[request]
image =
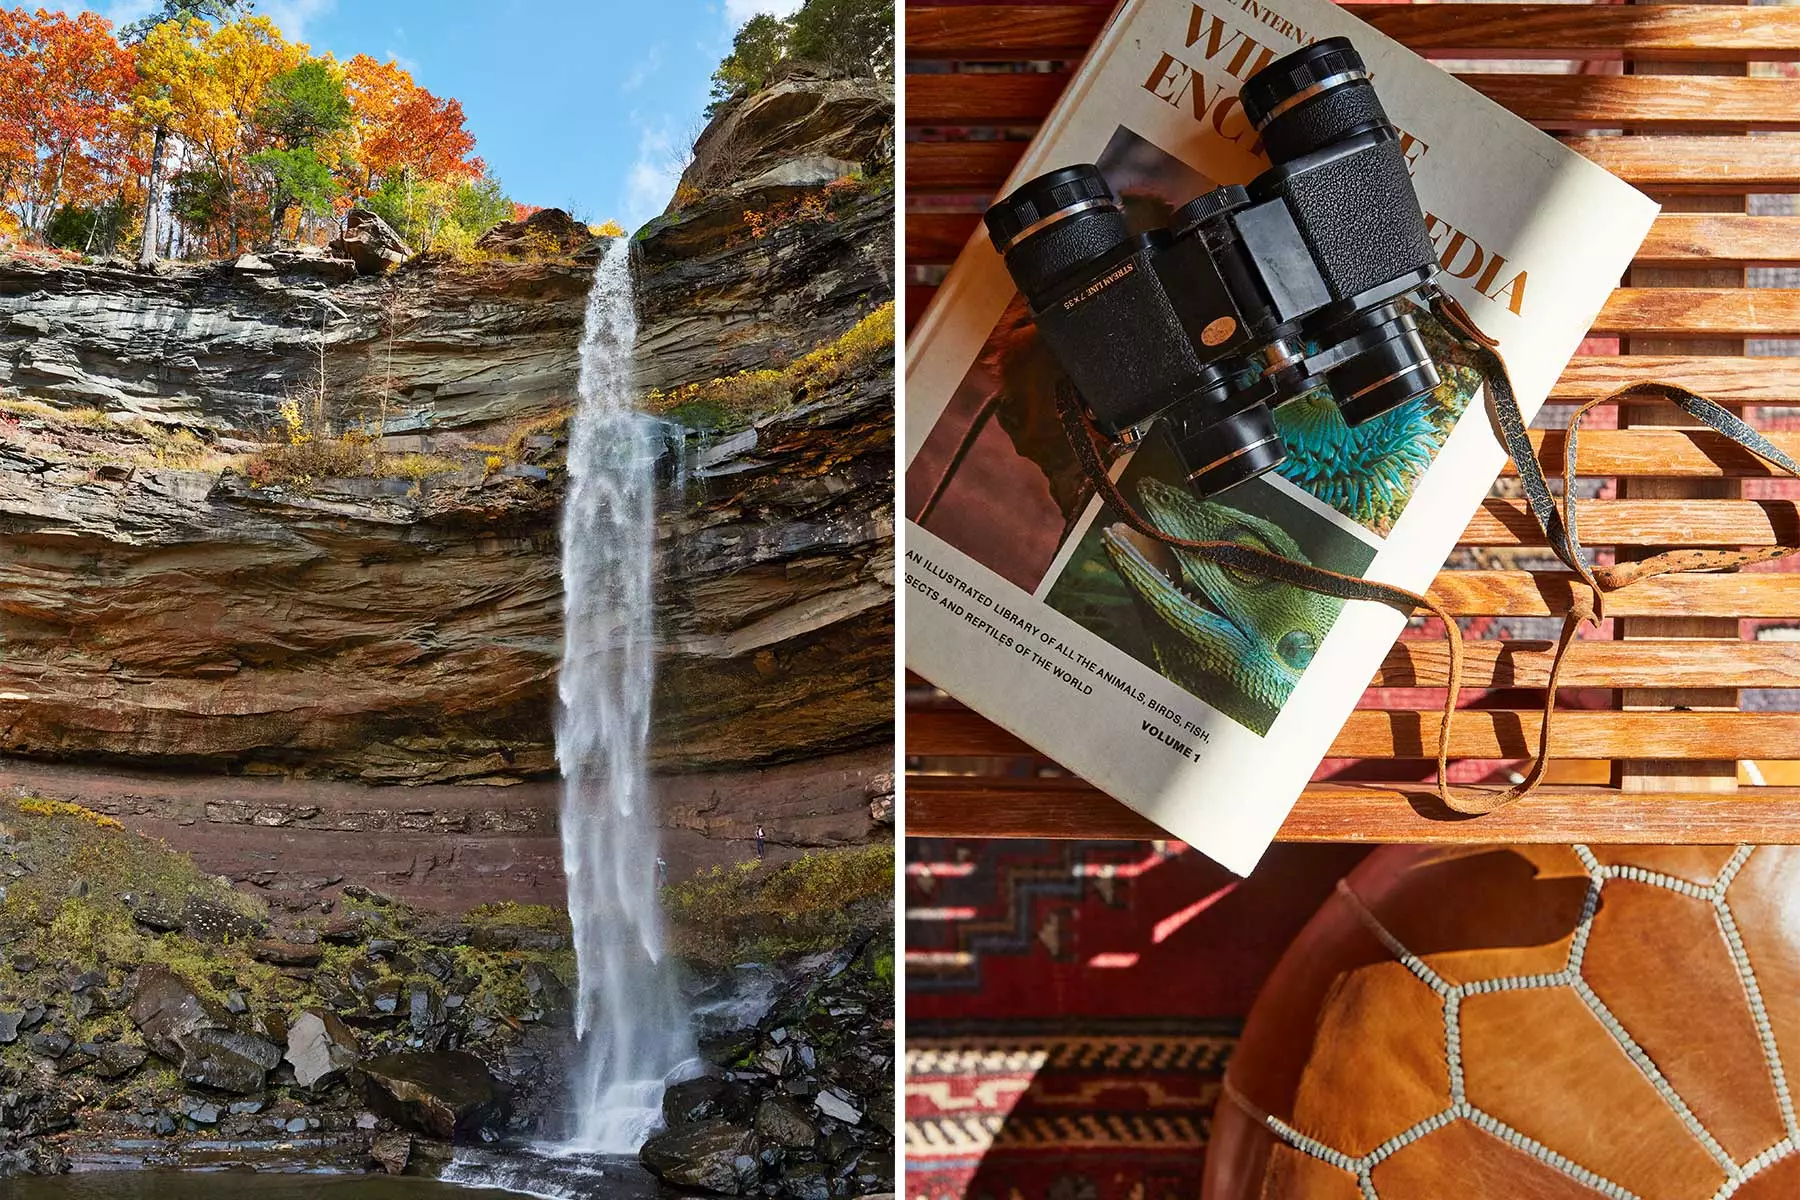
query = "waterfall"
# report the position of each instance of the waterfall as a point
(631, 1027)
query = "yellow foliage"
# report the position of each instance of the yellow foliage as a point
(734, 399)
(607, 229)
(205, 84)
(455, 242)
(415, 467)
(492, 463)
(295, 420)
(39, 807)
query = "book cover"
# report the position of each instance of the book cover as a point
(1206, 703)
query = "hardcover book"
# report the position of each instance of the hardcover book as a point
(1207, 704)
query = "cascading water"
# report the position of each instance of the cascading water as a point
(628, 1016)
(632, 1028)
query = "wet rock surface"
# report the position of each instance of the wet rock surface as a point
(800, 1100)
(448, 1094)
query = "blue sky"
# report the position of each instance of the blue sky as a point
(589, 103)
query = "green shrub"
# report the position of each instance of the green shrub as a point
(751, 910)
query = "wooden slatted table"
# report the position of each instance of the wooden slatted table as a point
(1698, 105)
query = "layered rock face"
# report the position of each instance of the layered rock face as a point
(163, 610)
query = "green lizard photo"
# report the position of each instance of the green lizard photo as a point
(1239, 642)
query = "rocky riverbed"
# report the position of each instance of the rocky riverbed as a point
(151, 1016)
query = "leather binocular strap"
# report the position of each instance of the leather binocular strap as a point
(1557, 522)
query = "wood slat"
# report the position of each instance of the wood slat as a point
(973, 807)
(989, 32)
(1664, 453)
(1769, 163)
(1765, 595)
(1696, 103)
(1730, 380)
(1683, 239)
(1701, 311)
(1669, 31)
(987, 99)
(1477, 733)
(1501, 522)
(1666, 163)
(1674, 663)
(1675, 239)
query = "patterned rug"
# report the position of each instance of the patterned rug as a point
(1071, 1007)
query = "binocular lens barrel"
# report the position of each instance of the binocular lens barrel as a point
(1056, 224)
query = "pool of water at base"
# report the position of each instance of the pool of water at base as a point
(229, 1185)
(517, 1171)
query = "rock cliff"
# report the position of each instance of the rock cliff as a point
(173, 608)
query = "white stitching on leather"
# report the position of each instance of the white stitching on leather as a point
(1713, 894)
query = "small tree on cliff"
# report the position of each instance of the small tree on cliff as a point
(852, 36)
(760, 46)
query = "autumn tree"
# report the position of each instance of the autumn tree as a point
(63, 81)
(412, 159)
(150, 101)
(207, 105)
(399, 127)
(211, 83)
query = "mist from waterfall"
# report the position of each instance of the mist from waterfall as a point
(629, 1018)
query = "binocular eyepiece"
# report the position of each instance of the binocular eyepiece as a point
(1251, 295)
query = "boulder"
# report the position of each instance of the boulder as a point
(549, 994)
(227, 1061)
(392, 1151)
(287, 954)
(782, 1122)
(838, 1105)
(320, 1047)
(370, 243)
(548, 231)
(701, 1099)
(166, 1008)
(314, 261)
(426, 1016)
(210, 919)
(155, 913)
(869, 1173)
(710, 1155)
(448, 1094)
(118, 1059)
(806, 1181)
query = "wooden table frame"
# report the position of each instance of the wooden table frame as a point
(1680, 90)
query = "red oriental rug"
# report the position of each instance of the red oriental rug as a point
(1071, 1007)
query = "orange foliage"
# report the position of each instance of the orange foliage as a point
(400, 126)
(63, 85)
